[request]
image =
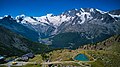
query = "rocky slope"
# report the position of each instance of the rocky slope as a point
(88, 26)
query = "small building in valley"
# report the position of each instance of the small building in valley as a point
(24, 58)
(30, 55)
(27, 56)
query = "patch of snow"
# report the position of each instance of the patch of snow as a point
(5, 15)
(17, 20)
(83, 16)
(102, 12)
(102, 18)
(69, 11)
(1, 17)
(78, 14)
(114, 15)
(41, 19)
(79, 22)
(73, 23)
(95, 19)
(82, 9)
(65, 18)
(49, 15)
(72, 18)
(91, 10)
(83, 19)
(76, 9)
(55, 20)
(29, 20)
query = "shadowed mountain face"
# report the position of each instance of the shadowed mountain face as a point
(10, 23)
(14, 44)
(70, 29)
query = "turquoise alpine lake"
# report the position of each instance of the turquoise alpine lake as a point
(81, 57)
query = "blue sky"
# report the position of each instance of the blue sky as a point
(43, 7)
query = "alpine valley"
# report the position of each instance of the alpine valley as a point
(57, 39)
(70, 29)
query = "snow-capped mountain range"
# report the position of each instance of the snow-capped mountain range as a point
(92, 23)
(48, 19)
(57, 20)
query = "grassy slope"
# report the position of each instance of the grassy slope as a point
(108, 57)
(10, 44)
(75, 39)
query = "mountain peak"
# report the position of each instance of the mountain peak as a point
(9, 16)
(49, 15)
(20, 16)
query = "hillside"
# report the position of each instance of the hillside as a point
(105, 53)
(14, 44)
(110, 44)
(102, 54)
(73, 40)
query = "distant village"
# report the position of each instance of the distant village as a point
(24, 57)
